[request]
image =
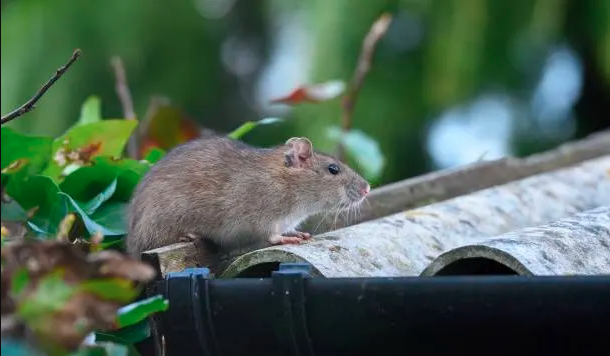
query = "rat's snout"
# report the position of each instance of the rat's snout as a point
(357, 190)
(365, 189)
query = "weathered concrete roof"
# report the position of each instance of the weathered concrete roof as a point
(543, 214)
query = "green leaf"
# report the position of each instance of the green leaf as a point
(112, 215)
(102, 138)
(138, 311)
(91, 111)
(43, 232)
(40, 192)
(91, 225)
(127, 335)
(51, 295)
(363, 149)
(249, 125)
(23, 155)
(111, 289)
(92, 205)
(154, 154)
(12, 211)
(100, 173)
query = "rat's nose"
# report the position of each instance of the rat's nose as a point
(366, 189)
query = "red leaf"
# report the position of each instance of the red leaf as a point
(166, 128)
(313, 93)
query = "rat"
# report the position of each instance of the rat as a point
(233, 194)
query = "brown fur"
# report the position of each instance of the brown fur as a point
(235, 194)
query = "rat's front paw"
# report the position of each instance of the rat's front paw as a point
(299, 234)
(285, 240)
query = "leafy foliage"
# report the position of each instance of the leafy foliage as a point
(83, 172)
(79, 172)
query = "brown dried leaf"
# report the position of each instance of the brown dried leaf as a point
(114, 264)
(84, 310)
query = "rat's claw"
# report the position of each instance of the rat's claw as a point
(299, 234)
(187, 238)
(285, 240)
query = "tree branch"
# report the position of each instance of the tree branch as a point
(31, 104)
(369, 44)
(122, 91)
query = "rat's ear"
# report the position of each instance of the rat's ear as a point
(299, 153)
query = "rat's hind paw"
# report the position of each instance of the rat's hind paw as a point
(285, 240)
(299, 234)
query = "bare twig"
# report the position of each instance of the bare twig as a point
(122, 91)
(31, 104)
(378, 29)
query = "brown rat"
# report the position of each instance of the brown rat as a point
(234, 194)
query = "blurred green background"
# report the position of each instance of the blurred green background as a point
(452, 80)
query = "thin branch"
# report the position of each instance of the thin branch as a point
(369, 44)
(122, 91)
(31, 104)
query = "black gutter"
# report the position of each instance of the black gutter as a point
(294, 314)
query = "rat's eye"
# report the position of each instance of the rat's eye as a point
(333, 169)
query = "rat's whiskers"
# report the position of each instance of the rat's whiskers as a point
(366, 200)
(339, 210)
(322, 220)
